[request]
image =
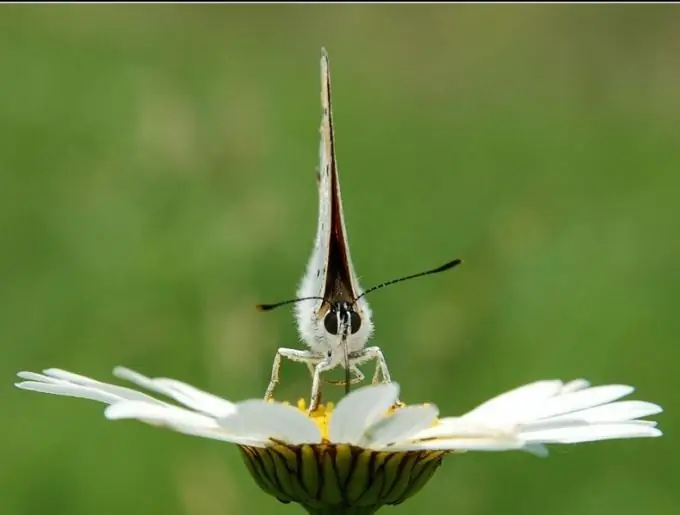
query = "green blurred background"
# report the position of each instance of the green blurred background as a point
(157, 179)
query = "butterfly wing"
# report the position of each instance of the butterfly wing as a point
(330, 273)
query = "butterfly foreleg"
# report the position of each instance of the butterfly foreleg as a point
(373, 353)
(382, 373)
(322, 366)
(358, 377)
(300, 356)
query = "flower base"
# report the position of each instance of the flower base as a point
(339, 479)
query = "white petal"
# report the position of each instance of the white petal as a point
(262, 420)
(516, 405)
(614, 412)
(219, 434)
(152, 413)
(359, 410)
(142, 381)
(198, 399)
(75, 385)
(65, 375)
(575, 385)
(400, 426)
(461, 427)
(462, 444)
(69, 390)
(32, 376)
(583, 399)
(178, 419)
(183, 393)
(591, 433)
(536, 449)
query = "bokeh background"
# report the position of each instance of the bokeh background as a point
(157, 179)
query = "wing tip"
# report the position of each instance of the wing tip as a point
(324, 59)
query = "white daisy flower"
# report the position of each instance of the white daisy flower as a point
(369, 450)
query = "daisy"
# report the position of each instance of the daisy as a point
(369, 450)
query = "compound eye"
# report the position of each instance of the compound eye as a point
(354, 321)
(330, 322)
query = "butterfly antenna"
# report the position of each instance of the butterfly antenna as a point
(269, 307)
(443, 268)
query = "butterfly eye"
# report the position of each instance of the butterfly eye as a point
(354, 321)
(330, 322)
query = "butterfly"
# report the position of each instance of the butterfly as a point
(333, 317)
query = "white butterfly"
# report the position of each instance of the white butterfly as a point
(333, 317)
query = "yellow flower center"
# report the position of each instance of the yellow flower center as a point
(321, 416)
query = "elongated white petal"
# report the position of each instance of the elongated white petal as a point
(183, 393)
(400, 426)
(123, 392)
(537, 449)
(575, 385)
(517, 404)
(614, 412)
(65, 375)
(70, 390)
(583, 399)
(58, 382)
(164, 415)
(264, 420)
(42, 378)
(220, 435)
(590, 433)
(198, 399)
(360, 410)
(462, 444)
(461, 427)
(180, 420)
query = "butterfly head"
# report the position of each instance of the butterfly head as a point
(342, 319)
(344, 326)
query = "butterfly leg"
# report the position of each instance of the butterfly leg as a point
(381, 370)
(373, 353)
(322, 366)
(300, 356)
(376, 374)
(358, 376)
